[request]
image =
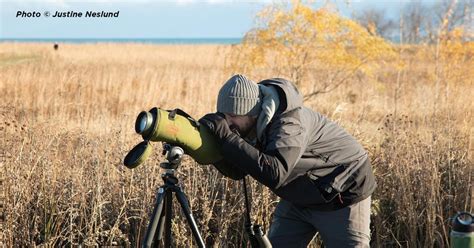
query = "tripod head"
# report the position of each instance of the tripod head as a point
(174, 155)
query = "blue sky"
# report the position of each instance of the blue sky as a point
(148, 19)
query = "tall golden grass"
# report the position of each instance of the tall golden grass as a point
(67, 121)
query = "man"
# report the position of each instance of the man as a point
(321, 173)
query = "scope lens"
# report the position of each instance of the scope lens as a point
(143, 122)
(141, 125)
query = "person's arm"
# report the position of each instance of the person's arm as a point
(271, 168)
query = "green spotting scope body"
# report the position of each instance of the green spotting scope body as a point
(176, 128)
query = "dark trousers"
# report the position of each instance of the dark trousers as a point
(294, 226)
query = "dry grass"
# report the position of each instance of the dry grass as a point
(67, 121)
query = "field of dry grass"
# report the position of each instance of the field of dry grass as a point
(67, 119)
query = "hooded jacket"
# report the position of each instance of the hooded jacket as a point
(302, 156)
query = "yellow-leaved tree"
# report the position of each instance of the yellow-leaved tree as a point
(315, 48)
(454, 55)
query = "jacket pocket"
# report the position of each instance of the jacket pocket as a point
(303, 191)
(328, 193)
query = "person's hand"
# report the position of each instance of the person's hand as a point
(217, 124)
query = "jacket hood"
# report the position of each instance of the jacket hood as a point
(292, 97)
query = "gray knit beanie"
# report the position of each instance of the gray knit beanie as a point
(239, 96)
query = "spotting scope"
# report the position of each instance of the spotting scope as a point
(175, 127)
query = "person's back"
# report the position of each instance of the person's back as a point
(331, 156)
(321, 172)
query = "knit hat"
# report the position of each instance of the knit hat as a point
(239, 96)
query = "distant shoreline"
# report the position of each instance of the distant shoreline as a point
(169, 41)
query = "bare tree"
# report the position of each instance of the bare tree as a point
(454, 14)
(415, 19)
(468, 21)
(423, 22)
(377, 19)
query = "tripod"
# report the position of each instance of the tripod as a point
(256, 236)
(163, 211)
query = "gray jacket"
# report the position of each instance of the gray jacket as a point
(303, 157)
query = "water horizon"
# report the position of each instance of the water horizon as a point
(190, 41)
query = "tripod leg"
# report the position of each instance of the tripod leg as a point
(155, 218)
(189, 217)
(161, 224)
(169, 217)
